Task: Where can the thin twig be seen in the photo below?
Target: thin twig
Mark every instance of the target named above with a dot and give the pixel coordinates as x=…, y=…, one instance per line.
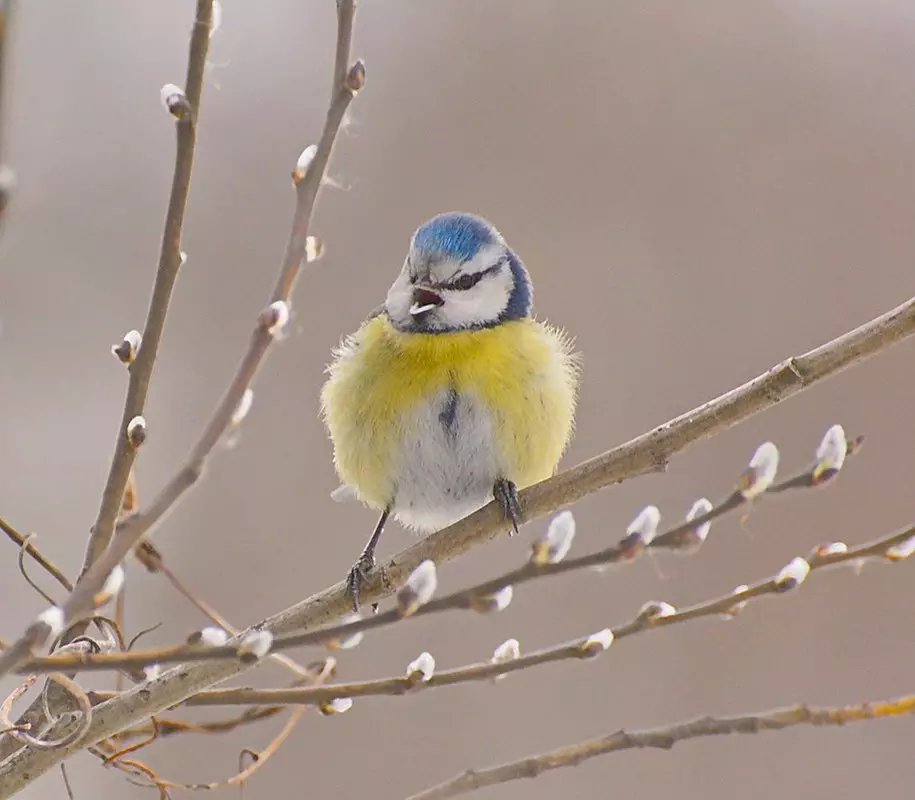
x=724, y=606
x=665, y=739
x=94, y=573
x=24, y=542
x=19, y=732
x=214, y=616
x=141, y=368
x=132, y=530
x=817, y=559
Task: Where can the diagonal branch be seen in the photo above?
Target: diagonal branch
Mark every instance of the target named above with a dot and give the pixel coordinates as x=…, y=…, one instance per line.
x=133, y=529
x=141, y=368
x=665, y=739
x=642, y=454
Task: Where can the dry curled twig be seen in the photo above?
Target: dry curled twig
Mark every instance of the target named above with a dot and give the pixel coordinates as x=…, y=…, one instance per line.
x=665, y=739
x=19, y=731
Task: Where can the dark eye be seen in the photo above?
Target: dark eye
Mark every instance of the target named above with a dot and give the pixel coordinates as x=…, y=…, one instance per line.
x=467, y=281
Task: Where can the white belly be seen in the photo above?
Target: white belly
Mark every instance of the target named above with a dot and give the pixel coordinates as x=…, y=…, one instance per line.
x=447, y=462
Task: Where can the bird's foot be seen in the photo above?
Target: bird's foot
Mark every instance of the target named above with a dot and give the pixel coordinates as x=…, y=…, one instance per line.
x=506, y=494
x=359, y=572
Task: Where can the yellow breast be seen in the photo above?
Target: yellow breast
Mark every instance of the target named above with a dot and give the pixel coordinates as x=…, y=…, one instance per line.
x=522, y=372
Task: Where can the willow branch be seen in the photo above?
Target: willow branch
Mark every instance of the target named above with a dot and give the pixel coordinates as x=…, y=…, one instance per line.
x=643, y=454
x=726, y=606
x=665, y=739
x=133, y=529
x=141, y=368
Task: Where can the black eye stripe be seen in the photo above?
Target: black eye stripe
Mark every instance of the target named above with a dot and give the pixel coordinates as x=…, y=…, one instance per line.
x=469, y=280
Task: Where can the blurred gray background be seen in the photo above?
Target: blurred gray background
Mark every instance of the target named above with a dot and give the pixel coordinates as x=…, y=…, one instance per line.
x=699, y=190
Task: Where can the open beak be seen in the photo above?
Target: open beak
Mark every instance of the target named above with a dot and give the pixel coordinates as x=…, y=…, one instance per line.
x=424, y=300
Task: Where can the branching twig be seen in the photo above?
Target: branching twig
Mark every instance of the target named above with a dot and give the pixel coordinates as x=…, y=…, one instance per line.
x=725, y=605
x=94, y=574
x=141, y=368
x=665, y=739
x=132, y=530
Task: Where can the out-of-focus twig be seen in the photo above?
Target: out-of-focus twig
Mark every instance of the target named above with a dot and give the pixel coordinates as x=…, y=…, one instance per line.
x=153, y=556
x=665, y=739
x=7, y=8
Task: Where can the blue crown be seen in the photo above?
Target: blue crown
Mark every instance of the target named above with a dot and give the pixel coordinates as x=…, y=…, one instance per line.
x=454, y=235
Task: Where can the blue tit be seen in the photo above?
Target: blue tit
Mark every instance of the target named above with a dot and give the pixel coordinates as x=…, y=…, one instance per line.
x=451, y=394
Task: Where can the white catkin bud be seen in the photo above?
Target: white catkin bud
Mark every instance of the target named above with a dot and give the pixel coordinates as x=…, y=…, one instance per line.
x=831, y=452
x=211, y=637
x=54, y=618
x=900, y=551
x=314, y=249
x=255, y=645
x=792, y=574
x=349, y=641
x=739, y=606
x=182, y=257
x=278, y=315
x=172, y=97
x=597, y=642
x=136, y=431
x=421, y=668
x=828, y=549
x=113, y=584
x=152, y=671
x=339, y=705
x=418, y=590
x=645, y=525
x=555, y=544
x=497, y=601
x=761, y=472
x=243, y=407
x=127, y=350
x=655, y=609
x=304, y=161
x=509, y=650
x=700, y=508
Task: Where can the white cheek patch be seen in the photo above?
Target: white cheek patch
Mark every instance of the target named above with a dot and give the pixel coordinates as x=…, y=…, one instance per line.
x=481, y=305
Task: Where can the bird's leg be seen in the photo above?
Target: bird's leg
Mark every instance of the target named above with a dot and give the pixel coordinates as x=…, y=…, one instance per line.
x=366, y=561
x=506, y=494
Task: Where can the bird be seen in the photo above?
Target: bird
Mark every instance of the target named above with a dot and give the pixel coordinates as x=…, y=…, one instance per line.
x=451, y=394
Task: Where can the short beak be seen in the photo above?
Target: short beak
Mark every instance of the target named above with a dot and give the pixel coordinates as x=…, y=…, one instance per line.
x=424, y=300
